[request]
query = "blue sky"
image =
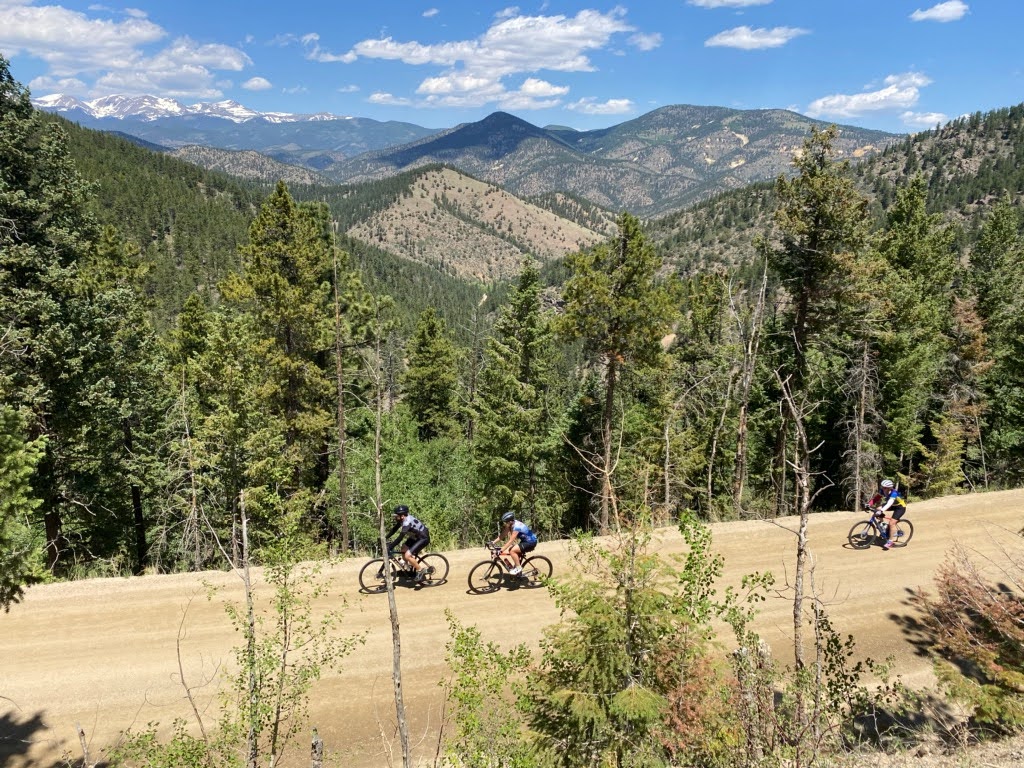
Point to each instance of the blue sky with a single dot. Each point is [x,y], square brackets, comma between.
[896,65]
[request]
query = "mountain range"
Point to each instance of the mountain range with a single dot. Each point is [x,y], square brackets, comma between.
[657,163]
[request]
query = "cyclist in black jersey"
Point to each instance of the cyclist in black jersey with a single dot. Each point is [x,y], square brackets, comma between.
[413,536]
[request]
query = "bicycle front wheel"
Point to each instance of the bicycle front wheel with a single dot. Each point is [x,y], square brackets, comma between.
[535,570]
[371,577]
[437,569]
[862,535]
[904,533]
[485,577]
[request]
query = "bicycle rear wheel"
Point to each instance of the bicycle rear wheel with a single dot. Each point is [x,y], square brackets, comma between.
[371,576]
[862,535]
[904,533]
[535,570]
[437,569]
[485,577]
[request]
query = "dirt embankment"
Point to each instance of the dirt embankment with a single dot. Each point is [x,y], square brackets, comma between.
[104,653]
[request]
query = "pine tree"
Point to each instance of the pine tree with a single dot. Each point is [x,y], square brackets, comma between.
[913,341]
[512,447]
[431,379]
[614,303]
[284,292]
[997,277]
[20,561]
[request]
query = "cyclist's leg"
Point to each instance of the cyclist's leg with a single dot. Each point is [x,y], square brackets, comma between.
[515,555]
[412,555]
[894,525]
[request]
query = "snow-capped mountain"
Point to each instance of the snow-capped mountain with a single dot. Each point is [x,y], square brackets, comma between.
[315,141]
[152,108]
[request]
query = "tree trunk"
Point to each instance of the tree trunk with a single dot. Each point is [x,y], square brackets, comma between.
[339,369]
[606,438]
[750,350]
[141,551]
[396,635]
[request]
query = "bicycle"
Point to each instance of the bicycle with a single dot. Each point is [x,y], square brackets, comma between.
[488,575]
[372,575]
[875,529]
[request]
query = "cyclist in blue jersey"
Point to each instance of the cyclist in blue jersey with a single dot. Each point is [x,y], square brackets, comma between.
[519,540]
[890,502]
[413,535]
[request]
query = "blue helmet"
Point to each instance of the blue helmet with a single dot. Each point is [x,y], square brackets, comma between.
[508,517]
[401,510]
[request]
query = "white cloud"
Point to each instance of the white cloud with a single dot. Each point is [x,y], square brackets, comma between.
[474,70]
[430,13]
[532,86]
[257,84]
[750,39]
[69,85]
[923,119]
[646,42]
[70,42]
[348,89]
[900,92]
[295,89]
[113,53]
[728,3]
[953,10]
[388,99]
[590,106]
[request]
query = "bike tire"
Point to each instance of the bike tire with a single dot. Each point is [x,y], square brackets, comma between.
[905,532]
[862,535]
[535,570]
[485,577]
[372,578]
[437,573]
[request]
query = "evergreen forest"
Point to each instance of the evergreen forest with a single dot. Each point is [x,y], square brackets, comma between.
[175,341]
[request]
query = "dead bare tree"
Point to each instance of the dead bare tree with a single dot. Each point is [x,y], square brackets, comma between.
[375,370]
[798,412]
[750,333]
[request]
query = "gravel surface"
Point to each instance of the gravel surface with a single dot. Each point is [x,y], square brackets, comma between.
[103,653]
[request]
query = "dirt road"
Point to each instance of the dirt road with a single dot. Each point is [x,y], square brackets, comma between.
[102,653]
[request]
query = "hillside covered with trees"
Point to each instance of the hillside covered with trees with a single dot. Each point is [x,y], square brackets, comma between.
[283,408]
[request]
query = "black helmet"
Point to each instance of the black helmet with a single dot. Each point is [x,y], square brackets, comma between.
[508,517]
[401,510]
[887,483]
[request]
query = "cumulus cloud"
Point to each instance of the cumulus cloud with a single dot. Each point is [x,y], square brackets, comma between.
[430,13]
[750,39]
[114,54]
[646,42]
[69,41]
[900,92]
[475,71]
[257,84]
[923,119]
[388,99]
[315,53]
[69,85]
[953,10]
[591,106]
[728,3]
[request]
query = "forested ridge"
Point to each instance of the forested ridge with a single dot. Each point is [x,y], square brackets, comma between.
[901,363]
[283,406]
